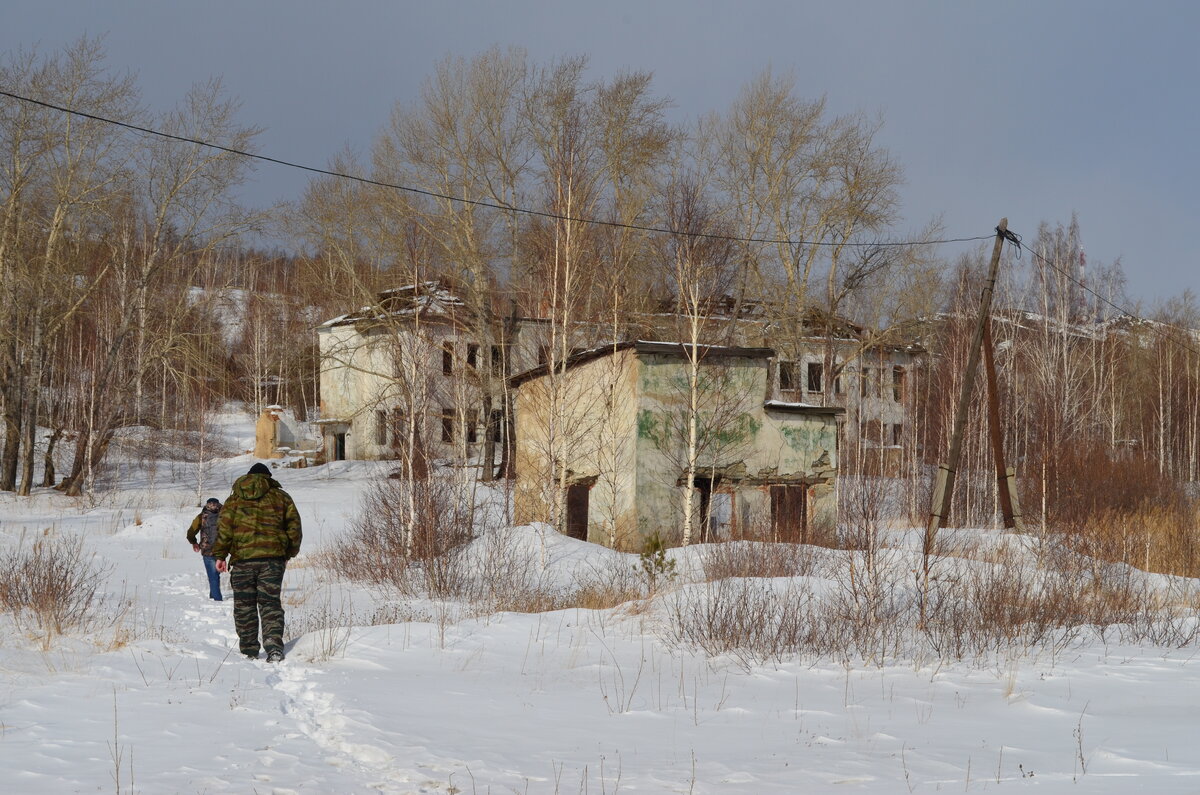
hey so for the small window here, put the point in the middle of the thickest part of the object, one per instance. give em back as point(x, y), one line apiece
point(447, 424)
point(897, 434)
point(864, 376)
point(497, 360)
point(447, 358)
point(472, 427)
point(787, 377)
point(381, 426)
point(814, 377)
point(472, 355)
point(898, 384)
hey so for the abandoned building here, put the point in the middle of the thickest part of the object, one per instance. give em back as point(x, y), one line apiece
point(412, 369)
point(825, 360)
point(603, 446)
point(416, 368)
point(410, 354)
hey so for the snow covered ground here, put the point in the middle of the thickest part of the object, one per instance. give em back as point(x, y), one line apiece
point(435, 699)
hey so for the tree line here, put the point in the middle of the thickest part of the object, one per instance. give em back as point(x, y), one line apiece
point(132, 292)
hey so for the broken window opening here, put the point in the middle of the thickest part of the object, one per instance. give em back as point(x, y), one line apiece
point(814, 376)
point(381, 426)
point(787, 377)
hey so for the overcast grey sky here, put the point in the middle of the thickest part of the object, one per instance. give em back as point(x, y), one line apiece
point(1030, 110)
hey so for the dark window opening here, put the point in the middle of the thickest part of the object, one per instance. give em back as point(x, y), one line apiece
point(472, 428)
point(472, 355)
point(814, 376)
point(447, 358)
point(863, 377)
point(447, 424)
point(497, 360)
point(381, 426)
point(339, 447)
point(897, 384)
point(897, 434)
point(787, 377)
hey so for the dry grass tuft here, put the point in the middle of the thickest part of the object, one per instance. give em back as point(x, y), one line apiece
point(51, 586)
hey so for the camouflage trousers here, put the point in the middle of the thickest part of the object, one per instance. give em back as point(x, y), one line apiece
point(256, 586)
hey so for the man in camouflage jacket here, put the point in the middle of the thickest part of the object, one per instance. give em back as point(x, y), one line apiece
point(259, 531)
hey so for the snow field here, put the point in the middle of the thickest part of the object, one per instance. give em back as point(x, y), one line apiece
point(439, 699)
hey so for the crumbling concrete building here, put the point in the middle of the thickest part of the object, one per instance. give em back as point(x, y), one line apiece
point(607, 443)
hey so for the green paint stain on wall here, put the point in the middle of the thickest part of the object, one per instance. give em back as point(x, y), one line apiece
point(737, 430)
point(650, 426)
point(806, 437)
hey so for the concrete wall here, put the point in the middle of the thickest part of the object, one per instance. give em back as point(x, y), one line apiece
point(361, 374)
point(747, 445)
point(622, 427)
point(591, 429)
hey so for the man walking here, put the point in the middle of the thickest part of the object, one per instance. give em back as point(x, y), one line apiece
point(259, 531)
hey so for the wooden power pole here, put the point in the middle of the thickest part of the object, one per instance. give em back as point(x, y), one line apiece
point(943, 488)
point(1006, 478)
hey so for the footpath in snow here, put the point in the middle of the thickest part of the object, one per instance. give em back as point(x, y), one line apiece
point(438, 701)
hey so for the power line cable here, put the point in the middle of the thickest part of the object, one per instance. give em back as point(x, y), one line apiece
point(1019, 245)
point(475, 202)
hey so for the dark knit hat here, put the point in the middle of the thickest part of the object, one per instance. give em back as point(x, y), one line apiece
point(259, 469)
point(212, 501)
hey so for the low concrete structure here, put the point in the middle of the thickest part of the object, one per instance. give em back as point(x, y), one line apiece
point(603, 443)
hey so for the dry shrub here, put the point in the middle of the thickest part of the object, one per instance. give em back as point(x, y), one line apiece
point(756, 559)
point(1153, 538)
point(506, 578)
point(608, 586)
point(510, 580)
point(749, 619)
point(408, 535)
point(52, 586)
point(1120, 508)
point(974, 611)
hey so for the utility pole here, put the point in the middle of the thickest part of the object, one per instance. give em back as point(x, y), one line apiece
point(943, 488)
point(1006, 478)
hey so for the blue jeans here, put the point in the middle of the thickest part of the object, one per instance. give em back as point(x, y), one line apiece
point(214, 577)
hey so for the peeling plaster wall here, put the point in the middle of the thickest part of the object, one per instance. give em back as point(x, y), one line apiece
point(623, 429)
point(739, 437)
